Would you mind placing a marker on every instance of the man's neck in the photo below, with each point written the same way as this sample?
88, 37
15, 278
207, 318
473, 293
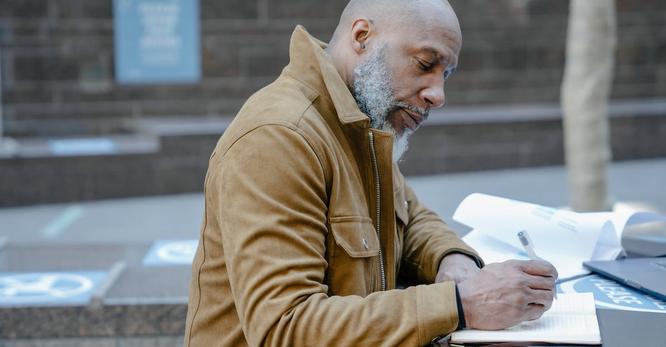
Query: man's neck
340, 63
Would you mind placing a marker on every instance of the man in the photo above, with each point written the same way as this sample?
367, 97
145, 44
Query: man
308, 222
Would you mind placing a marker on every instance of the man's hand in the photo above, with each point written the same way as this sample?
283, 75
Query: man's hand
456, 267
502, 295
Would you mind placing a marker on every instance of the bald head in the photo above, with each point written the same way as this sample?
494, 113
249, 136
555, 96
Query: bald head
365, 25
392, 15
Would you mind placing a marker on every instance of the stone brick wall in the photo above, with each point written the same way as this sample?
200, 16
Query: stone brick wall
179, 166
514, 50
58, 69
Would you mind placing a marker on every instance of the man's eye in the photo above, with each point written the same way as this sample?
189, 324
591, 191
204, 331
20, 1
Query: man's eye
425, 66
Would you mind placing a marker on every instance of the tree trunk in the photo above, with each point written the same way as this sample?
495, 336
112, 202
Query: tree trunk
588, 76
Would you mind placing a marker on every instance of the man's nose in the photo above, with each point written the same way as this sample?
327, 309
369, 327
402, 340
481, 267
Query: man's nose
433, 95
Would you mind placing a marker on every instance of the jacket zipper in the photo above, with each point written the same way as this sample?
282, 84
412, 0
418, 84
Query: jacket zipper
378, 205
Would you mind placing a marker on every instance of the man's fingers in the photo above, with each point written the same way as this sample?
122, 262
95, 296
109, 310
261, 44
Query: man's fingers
534, 311
539, 282
540, 297
539, 268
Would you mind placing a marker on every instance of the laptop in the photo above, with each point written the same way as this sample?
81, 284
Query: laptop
645, 274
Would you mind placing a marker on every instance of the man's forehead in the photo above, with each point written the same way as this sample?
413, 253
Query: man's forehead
440, 46
437, 33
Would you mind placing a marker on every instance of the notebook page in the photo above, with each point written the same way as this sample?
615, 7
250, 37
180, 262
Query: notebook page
571, 319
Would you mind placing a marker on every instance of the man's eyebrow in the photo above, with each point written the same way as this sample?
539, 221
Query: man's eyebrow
432, 51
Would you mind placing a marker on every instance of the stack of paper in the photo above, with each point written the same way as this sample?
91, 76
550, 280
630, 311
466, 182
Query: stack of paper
572, 319
564, 238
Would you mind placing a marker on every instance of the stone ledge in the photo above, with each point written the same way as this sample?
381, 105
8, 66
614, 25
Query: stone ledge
178, 126
79, 146
539, 112
81, 321
125, 341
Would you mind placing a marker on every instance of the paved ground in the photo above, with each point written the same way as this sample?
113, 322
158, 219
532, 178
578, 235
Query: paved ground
142, 220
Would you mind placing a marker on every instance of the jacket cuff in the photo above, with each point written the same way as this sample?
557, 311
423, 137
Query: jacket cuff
471, 254
438, 259
436, 311
461, 314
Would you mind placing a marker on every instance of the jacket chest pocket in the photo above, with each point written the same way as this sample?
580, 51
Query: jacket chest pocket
353, 264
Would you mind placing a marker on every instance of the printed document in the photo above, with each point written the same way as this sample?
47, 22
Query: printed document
564, 238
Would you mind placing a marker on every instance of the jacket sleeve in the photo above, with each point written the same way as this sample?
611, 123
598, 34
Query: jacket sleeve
272, 194
427, 240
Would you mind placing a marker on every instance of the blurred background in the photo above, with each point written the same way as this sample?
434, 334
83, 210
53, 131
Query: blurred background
109, 111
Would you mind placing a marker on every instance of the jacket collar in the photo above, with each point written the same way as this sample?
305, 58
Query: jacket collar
310, 64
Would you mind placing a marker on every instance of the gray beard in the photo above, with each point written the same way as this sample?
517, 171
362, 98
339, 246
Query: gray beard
374, 96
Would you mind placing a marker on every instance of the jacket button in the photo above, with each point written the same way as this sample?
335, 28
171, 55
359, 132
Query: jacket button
406, 204
365, 243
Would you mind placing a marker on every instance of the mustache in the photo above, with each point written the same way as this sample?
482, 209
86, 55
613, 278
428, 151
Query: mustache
423, 112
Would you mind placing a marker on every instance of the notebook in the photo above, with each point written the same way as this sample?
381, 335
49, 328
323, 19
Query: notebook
645, 274
571, 320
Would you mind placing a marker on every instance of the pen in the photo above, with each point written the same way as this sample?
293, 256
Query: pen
526, 241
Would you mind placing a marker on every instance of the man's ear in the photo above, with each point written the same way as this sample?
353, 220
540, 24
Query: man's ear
362, 30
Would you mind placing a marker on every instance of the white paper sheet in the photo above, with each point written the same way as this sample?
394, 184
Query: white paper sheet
564, 238
491, 249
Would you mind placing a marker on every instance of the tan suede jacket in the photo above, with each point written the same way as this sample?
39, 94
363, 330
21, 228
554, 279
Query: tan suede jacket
308, 224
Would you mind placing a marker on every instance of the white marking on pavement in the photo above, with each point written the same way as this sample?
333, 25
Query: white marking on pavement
62, 222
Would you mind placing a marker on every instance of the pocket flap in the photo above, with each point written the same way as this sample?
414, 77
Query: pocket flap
357, 236
400, 204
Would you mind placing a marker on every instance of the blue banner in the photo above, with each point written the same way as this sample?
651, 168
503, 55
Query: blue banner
612, 295
157, 41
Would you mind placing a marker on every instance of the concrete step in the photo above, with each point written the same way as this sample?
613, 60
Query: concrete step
91, 290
